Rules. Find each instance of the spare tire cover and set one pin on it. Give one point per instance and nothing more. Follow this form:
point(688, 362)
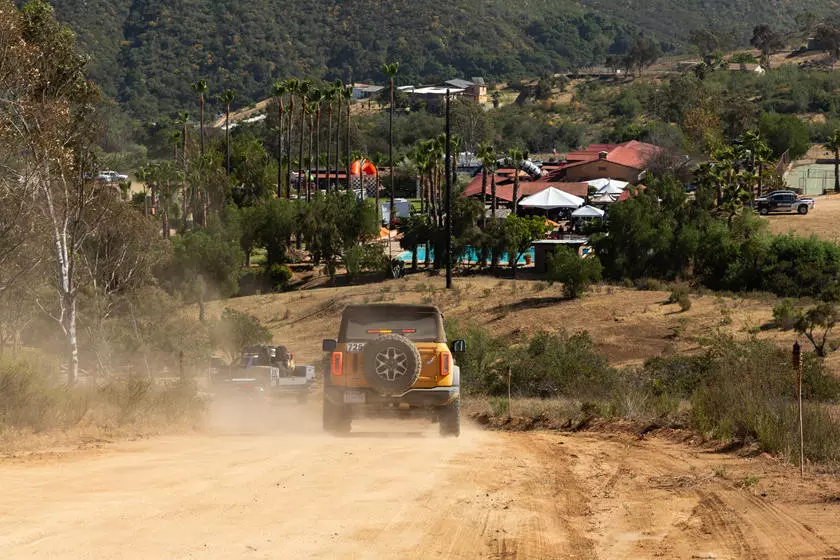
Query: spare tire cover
point(392, 364)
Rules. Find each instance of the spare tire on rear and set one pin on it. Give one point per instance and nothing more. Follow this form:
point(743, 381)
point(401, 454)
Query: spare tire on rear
point(391, 364)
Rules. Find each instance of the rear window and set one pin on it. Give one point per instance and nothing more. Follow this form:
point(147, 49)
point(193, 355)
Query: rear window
point(420, 327)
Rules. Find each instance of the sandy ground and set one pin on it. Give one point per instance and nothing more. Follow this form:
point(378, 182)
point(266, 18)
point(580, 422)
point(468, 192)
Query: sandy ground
point(823, 221)
point(397, 490)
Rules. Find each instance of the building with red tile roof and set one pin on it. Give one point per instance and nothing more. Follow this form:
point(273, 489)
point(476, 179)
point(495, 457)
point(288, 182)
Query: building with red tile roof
point(626, 162)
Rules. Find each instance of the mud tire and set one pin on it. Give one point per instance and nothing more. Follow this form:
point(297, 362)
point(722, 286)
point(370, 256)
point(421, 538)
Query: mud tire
point(802, 210)
point(392, 364)
point(337, 419)
point(449, 418)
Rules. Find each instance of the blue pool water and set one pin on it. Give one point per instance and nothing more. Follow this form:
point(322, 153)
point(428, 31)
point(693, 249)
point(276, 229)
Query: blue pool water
point(470, 256)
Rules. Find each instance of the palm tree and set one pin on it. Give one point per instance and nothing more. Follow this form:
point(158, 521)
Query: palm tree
point(833, 145)
point(292, 86)
point(486, 155)
point(200, 87)
point(226, 98)
point(317, 98)
point(279, 89)
point(303, 93)
point(311, 109)
point(391, 70)
point(514, 159)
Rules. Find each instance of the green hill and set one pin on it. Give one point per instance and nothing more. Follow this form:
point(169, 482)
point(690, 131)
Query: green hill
point(146, 53)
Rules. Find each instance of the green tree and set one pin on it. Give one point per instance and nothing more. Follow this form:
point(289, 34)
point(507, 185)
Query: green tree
point(575, 273)
point(391, 71)
point(519, 234)
point(293, 87)
point(833, 145)
point(226, 98)
point(768, 41)
point(487, 156)
point(205, 264)
point(785, 133)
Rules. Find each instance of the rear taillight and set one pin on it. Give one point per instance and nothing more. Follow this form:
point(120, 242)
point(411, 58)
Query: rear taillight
point(445, 364)
point(337, 363)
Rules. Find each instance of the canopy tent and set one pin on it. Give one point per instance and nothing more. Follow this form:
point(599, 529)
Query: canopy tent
point(588, 212)
point(605, 198)
point(551, 198)
point(611, 186)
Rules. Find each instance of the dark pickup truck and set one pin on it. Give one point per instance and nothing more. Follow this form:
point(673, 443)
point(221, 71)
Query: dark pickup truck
point(783, 201)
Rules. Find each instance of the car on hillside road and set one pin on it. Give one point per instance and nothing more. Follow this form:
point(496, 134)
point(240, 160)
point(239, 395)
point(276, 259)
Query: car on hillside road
point(783, 201)
point(111, 177)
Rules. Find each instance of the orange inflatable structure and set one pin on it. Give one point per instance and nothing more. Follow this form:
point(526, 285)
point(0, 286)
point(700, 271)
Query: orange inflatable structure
point(367, 167)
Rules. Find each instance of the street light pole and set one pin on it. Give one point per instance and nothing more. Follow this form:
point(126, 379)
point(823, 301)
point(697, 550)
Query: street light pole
point(448, 164)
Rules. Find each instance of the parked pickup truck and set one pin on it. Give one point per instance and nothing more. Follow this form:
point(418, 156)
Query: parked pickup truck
point(783, 201)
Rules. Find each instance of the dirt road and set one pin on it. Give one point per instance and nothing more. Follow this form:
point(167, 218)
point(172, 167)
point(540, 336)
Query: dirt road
point(409, 494)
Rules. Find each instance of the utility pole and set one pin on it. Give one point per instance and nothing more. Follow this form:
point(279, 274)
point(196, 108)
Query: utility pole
point(448, 166)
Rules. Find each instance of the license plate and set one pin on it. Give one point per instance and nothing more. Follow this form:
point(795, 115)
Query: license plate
point(354, 397)
point(355, 346)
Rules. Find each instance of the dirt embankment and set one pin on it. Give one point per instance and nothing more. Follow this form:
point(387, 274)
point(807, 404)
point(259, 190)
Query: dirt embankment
point(399, 491)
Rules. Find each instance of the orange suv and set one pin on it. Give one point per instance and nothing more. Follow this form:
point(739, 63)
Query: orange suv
point(392, 359)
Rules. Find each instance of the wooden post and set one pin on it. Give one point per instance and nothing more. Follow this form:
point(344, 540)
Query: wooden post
point(797, 363)
point(509, 400)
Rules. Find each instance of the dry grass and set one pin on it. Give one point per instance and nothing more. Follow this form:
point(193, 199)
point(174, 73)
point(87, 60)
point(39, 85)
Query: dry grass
point(627, 325)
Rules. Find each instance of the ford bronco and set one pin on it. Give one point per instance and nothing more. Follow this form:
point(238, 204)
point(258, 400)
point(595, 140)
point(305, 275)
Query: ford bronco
point(392, 359)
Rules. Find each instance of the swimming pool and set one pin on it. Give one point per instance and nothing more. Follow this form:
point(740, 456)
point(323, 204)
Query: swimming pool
point(470, 256)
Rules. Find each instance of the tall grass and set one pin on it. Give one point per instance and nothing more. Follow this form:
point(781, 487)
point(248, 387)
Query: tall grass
point(34, 400)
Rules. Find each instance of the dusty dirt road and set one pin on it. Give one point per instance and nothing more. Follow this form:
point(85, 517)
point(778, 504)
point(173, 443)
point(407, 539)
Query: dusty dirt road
point(399, 491)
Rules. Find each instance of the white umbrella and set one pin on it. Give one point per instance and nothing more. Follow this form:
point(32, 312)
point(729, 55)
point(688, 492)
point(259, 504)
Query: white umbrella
point(551, 198)
point(588, 212)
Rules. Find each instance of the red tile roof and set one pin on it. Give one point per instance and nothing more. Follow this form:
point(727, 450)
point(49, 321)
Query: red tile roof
point(633, 154)
point(504, 187)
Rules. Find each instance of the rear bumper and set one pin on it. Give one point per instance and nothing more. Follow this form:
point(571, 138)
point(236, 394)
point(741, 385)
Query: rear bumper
point(424, 398)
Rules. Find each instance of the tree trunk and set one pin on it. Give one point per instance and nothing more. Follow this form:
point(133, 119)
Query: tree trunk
point(291, 118)
point(347, 146)
point(391, 154)
point(493, 202)
point(309, 167)
point(484, 196)
point(337, 141)
point(201, 110)
point(515, 192)
point(318, 150)
point(300, 143)
point(280, 149)
point(329, 147)
point(837, 171)
point(201, 308)
point(227, 138)
point(73, 371)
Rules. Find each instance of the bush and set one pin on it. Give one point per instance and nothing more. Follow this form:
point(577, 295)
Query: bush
point(575, 273)
point(279, 275)
point(785, 315)
point(684, 302)
point(365, 258)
